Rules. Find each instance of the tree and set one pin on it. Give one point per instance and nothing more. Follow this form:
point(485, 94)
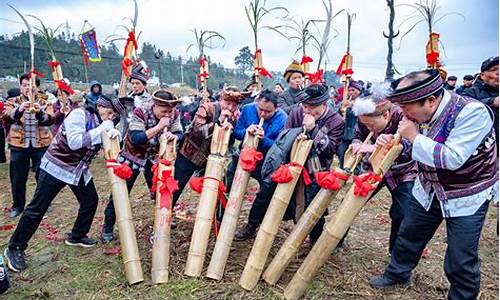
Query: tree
point(244, 60)
point(389, 71)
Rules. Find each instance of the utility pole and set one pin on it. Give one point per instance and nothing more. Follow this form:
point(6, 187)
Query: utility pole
point(182, 72)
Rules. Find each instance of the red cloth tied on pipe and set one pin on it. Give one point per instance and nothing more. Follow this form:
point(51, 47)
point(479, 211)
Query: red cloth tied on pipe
point(263, 71)
point(121, 170)
point(202, 61)
point(36, 73)
point(432, 49)
point(362, 185)
point(283, 174)
point(329, 179)
point(196, 184)
point(53, 64)
point(341, 69)
point(249, 158)
point(316, 77)
point(127, 62)
point(168, 185)
point(305, 60)
point(61, 84)
point(130, 39)
point(203, 76)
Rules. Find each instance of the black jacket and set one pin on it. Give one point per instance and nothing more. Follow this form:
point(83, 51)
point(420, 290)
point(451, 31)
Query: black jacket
point(486, 94)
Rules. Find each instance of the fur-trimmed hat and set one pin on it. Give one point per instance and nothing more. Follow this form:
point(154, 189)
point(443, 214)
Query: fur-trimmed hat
point(140, 71)
point(294, 67)
point(376, 104)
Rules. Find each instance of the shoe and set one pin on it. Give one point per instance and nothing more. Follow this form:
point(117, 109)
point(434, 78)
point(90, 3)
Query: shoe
point(383, 282)
point(173, 224)
point(107, 237)
point(245, 233)
point(84, 242)
point(49, 209)
point(15, 259)
point(15, 212)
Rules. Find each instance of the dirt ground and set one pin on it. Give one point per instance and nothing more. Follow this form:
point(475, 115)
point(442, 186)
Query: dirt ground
point(58, 271)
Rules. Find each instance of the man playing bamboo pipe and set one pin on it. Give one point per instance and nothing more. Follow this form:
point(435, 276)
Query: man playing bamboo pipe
point(28, 137)
point(378, 115)
point(194, 151)
point(265, 107)
point(141, 144)
point(453, 143)
point(66, 162)
point(324, 126)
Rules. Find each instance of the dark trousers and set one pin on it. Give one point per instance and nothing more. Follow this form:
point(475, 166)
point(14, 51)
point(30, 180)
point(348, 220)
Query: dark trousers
point(109, 211)
point(261, 203)
point(401, 196)
point(46, 190)
point(3, 158)
point(19, 169)
point(461, 262)
point(184, 169)
point(341, 150)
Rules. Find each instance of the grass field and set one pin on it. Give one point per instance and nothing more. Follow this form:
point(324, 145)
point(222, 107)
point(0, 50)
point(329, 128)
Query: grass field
point(57, 271)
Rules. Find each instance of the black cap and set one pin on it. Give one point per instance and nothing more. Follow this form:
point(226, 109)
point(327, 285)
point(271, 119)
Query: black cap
point(490, 62)
point(452, 77)
point(468, 77)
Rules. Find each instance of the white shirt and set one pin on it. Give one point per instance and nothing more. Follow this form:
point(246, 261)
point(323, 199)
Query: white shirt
point(78, 137)
point(472, 125)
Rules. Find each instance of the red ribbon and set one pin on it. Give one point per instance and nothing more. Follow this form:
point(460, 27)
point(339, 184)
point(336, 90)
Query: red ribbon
point(341, 70)
point(362, 184)
point(196, 184)
point(432, 56)
point(168, 185)
point(329, 179)
point(249, 158)
point(305, 60)
point(316, 77)
point(262, 71)
point(53, 64)
point(130, 39)
point(127, 62)
point(61, 84)
point(202, 61)
point(121, 170)
point(283, 174)
point(36, 73)
point(203, 76)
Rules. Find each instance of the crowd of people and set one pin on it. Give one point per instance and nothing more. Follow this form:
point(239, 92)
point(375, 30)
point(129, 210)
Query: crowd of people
point(448, 169)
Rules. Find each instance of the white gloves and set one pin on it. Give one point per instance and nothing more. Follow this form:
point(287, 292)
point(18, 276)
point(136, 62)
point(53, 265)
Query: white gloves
point(106, 125)
point(114, 133)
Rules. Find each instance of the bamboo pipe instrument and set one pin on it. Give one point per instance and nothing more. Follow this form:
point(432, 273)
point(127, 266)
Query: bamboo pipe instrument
point(350, 161)
point(163, 215)
point(269, 227)
point(208, 200)
point(124, 221)
point(336, 228)
point(231, 214)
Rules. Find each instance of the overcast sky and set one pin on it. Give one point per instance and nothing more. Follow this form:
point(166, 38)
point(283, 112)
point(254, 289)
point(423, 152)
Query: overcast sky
point(167, 23)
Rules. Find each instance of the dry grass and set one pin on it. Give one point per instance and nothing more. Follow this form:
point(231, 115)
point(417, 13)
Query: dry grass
point(61, 272)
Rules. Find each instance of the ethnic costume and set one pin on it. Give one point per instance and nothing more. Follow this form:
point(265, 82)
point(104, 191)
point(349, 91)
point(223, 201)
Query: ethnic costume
point(350, 124)
point(28, 137)
point(457, 177)
point(326, 137)
point(400, 177)
point(140, 152)
point(66, 162)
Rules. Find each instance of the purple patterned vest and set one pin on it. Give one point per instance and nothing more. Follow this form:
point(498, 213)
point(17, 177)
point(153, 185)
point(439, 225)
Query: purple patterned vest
point(478, 173)
point(60, 154)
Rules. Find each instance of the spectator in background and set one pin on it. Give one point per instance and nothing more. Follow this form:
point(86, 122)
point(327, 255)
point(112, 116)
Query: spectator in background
point(2, 132)
point(450, 83)
point(486, 89)
point(278, 88)
point(93, 95)
point(294, 76)
point(467, 83)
